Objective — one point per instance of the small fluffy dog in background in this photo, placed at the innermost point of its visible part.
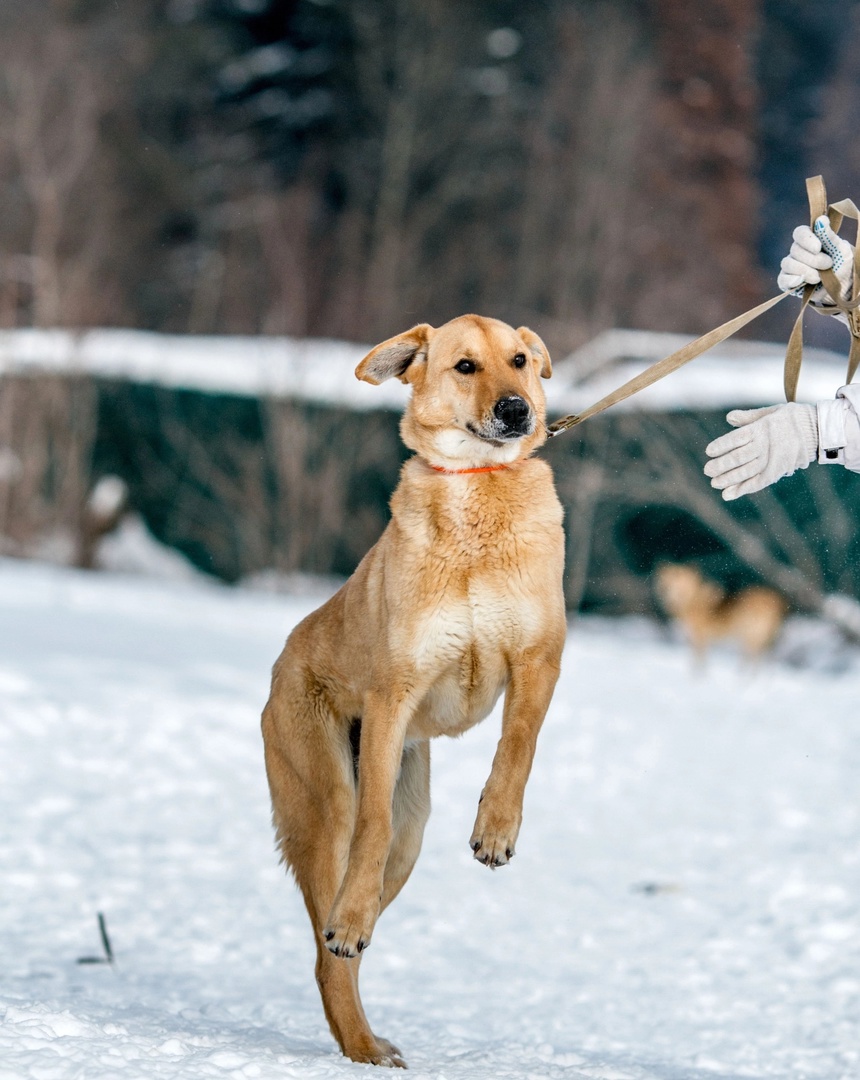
(752, 616)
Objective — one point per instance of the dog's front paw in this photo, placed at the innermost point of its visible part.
(494, 837)
(348, 930)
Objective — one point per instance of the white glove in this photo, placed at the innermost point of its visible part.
(817, 250)
(767, 444)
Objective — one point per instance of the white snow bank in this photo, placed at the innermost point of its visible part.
(132, 549)
(737, 373)
(309, 369)
(684, 904)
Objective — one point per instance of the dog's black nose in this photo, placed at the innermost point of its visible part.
(513, 412)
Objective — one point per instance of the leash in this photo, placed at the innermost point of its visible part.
(818, 205)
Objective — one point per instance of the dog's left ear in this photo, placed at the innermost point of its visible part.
(538, 348)
(394, 356)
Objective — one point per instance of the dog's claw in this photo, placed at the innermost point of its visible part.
(345, 951)
(345, 940)
(492, 854)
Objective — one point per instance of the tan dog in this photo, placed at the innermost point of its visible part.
(752, 616)
(459, 600)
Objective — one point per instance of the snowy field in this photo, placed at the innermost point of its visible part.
(684, 904)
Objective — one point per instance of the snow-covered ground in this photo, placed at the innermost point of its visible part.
(684, 904)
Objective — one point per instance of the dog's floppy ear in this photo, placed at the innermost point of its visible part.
(394, 356)
(538, 348)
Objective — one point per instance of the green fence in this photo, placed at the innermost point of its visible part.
(240, 485)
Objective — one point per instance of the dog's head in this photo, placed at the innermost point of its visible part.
(681, 588)
(476, 398)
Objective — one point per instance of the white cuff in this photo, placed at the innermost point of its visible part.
(849, 398)
(831, 432)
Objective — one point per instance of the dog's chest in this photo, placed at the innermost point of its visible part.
(482, 589)
(480, 574)
(485, 618)
(465, 645)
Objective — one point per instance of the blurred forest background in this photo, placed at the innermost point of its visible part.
(347, 167)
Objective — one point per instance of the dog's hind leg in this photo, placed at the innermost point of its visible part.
(338, 977)
(313, 800)
(411, 809)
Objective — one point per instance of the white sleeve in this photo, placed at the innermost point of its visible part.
(839, 429)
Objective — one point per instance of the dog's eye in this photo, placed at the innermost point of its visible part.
(466, 367)
(520, 360)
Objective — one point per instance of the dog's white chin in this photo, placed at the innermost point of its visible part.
(460, 448)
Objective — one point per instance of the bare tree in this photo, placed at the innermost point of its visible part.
(47, 434)
(577, 243)
(51, 104)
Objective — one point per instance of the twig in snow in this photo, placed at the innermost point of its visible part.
(108, 957)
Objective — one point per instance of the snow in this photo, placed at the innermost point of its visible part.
(131, 548)
(735, 374)
(308, 369)
(684, 903)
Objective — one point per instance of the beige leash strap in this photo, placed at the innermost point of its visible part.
(794, 351)
(666, 366)
(837, 212)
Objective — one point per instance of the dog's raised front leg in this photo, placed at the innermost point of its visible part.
(356, 907)
(500, 811)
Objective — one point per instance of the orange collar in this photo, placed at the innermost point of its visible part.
(461, 472)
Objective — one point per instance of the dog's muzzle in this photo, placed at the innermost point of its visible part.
(513, 417)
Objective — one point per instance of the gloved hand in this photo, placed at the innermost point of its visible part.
(817, 250)
(767, 444)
